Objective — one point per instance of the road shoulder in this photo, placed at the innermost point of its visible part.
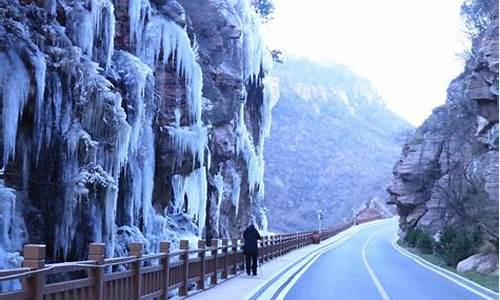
(468, 284)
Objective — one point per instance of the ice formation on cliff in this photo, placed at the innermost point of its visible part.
(95, 109)
(193, 188)
(15, 85)
(218, 181)
(93, 30)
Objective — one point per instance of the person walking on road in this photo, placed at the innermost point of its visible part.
(250, 248)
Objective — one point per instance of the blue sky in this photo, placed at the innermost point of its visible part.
(408, 49)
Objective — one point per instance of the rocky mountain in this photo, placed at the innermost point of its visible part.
(130, 120)
(447, 174)
(332, 145)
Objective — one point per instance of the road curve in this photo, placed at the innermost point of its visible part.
(368, 265)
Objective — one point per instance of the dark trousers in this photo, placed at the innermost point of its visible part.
(251, 258)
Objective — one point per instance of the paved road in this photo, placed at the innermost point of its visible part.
(368, 266)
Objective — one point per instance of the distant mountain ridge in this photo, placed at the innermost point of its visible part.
(333, 143)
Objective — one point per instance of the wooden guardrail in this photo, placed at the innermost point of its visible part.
(138, 276)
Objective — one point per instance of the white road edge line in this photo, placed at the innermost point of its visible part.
(375, 280)
(269, 292)
(438, 270)
(289, 286)
(346, 235)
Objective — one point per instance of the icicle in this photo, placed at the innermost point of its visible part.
(139, 82)
(109, 219)
(178, 188)
(134, 196)
(270, 98)
(86, 28)
(191, 139)
(194, 187)
(26, 166)
(40, 70)
(14, 89)
(148, 168)
(81, 28)
(50, 7)
(177, 113)
(201, 189)
(209, 157)
(263, 220)
(7, 213)
(135, 74)
(246, 148)
(138, 12)
(218, 181)
(235, 194)
(167, 38)
(109, 32)
(256, 57)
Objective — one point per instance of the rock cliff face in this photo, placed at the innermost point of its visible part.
(448, 172)
(130, 120)
(332, 145)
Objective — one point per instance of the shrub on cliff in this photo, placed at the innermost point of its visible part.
(419, 238)
(265, 8)
(477, 14)
(457, 243)
(410, 238)
(425, 242)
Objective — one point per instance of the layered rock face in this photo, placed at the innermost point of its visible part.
(332, 145)
(130, 120)
(448, 172)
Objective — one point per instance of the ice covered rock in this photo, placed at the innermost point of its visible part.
(110, 124)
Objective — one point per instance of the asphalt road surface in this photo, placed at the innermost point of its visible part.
(368, 266)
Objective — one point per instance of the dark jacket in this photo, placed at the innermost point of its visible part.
(251, 235)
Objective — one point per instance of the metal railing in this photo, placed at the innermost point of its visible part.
(138, 276)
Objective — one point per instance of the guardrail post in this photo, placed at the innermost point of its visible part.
(34, 258)
(165, 249)
(275, 247)
(183, 289)
(200, 284)
(215, 254)
(265, 248)
(259, 252)
(289, 242)
(280, 245)
(271, 248)
(135, 249)
(234, 247)
(97, 252)
(284, 245)
(226, 258)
